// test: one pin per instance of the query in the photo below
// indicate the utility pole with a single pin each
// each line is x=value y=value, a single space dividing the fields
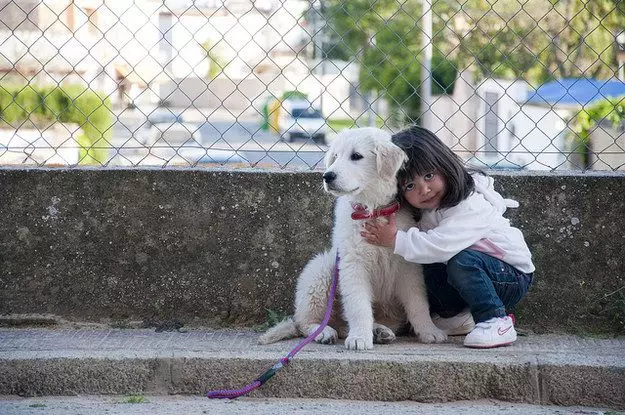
x=317 y=38
x=426 y=64
x=620 y=55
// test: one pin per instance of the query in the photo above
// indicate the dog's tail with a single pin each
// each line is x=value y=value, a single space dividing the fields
x=286 y=329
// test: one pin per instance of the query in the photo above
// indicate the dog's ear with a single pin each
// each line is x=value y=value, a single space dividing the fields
x=328 y=158
x=389 y=159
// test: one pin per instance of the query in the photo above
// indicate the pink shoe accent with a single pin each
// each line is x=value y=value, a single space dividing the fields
x=504 y=331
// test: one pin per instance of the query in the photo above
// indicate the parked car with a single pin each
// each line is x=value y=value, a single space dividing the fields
x=299 y=118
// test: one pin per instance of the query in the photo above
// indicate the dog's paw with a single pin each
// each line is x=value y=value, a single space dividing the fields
x=359 y=342
x=327 y=336
x=382 y=334
x=431 y=335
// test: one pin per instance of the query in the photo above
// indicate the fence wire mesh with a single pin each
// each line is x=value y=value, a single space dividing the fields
x=508 y=84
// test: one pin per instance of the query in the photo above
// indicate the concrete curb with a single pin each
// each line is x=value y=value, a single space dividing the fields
x=544 y=370
x=188 y=405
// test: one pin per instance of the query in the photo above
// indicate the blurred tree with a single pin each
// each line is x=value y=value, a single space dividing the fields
x=215 y=60
x=384 y=36
x=536 y=40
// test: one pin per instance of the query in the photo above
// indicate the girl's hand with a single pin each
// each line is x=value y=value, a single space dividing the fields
x=380 y=233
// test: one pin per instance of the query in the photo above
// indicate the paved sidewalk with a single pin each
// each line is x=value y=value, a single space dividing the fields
x=189 y=405
x=551 y=369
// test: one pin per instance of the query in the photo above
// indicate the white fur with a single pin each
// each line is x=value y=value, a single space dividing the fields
x=379 y=291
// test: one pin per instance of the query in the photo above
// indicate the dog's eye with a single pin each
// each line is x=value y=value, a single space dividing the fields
x=355 y=156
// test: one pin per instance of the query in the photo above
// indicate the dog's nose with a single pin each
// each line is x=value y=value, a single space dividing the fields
x=329 y=176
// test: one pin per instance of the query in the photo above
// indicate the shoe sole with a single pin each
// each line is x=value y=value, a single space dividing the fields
x=460 y=331
x=466 y=328
x=489 y=346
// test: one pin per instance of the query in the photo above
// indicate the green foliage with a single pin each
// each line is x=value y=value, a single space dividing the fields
x=611 y=308
x=67 y=104
x=387 y=41
x=337 y=125
x=609 y=109
x=273 y=317
x=216 y=62
x=134 y=399
x=30 y=102
x=531 y=39
x=444 y=74
x=56 y=101
x=10 y=111
x=285 y=95
x=619 y=311
x=351 y=25
x=294 y=95
x=92 y=113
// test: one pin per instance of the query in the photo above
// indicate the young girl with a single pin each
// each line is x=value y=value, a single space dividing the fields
x=472 y=256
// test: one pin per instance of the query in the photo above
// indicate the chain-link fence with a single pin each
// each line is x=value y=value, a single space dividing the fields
x=517 y=84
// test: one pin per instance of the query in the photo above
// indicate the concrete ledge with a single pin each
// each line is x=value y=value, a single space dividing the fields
x=217 y=247
x=548 y=369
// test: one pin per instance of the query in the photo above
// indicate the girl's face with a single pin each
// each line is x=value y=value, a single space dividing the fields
x=425 y=192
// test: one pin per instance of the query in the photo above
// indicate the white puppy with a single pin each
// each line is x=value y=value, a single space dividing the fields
x=380 y=292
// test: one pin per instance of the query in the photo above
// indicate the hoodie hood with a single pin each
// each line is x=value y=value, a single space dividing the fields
x=484 y=185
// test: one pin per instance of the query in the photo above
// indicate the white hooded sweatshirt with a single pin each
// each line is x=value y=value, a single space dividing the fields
x=475 y=223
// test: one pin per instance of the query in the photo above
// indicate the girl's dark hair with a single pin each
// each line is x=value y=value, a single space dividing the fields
x=426 y=154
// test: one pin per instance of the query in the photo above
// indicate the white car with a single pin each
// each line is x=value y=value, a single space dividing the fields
x=301 y=119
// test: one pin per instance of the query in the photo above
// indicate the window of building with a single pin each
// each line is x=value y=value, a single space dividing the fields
x=23 y=16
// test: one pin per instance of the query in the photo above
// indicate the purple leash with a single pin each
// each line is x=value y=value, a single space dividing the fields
x=236 y=393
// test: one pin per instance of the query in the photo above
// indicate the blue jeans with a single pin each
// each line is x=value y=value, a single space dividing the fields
x=473 y=279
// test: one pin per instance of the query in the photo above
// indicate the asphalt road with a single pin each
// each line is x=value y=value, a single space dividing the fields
x=224 y=142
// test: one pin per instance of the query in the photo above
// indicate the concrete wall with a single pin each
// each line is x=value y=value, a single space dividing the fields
x=207 y=93
x=220 y=247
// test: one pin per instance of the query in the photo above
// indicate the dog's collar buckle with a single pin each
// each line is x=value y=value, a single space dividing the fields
x=361 y=212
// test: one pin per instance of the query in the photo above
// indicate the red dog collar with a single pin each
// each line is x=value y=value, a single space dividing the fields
x=360 y=212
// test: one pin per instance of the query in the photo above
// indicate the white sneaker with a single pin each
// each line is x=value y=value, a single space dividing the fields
x=458 y=325
x=498 y=331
